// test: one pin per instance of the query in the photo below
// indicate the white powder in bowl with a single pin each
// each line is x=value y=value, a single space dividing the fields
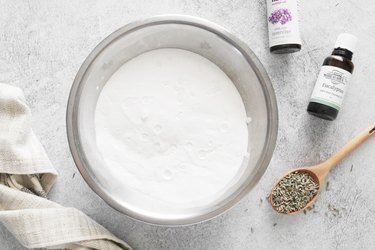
x=172 y=130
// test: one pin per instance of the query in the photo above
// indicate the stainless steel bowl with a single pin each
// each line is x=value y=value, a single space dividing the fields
x=206 y=39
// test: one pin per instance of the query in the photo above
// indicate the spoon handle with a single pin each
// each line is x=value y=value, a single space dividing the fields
x=350 y=146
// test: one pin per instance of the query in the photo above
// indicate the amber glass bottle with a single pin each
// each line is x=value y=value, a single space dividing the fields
x=333 y=79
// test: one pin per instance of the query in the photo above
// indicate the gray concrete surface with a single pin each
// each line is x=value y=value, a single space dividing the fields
x=43 y=43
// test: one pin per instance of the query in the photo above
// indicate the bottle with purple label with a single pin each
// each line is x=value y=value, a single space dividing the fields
x=283 y=30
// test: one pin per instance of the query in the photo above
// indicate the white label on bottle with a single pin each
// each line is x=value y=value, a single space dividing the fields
x=331 y=86
x=282 y=17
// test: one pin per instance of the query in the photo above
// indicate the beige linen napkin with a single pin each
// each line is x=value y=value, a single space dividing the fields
x=26 y=176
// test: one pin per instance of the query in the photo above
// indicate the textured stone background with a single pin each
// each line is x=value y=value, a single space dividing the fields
x=43 y=43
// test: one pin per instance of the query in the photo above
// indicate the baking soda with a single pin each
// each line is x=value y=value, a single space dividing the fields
x=172 y=130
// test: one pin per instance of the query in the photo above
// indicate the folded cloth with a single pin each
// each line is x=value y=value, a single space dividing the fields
x=26 y=176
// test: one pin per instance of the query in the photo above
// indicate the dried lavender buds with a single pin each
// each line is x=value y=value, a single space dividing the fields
x=293 y=192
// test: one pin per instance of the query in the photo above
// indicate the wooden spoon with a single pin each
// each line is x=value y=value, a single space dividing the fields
x=320 y=171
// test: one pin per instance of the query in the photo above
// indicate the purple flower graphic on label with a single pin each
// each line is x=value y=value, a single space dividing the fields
x=280 y=16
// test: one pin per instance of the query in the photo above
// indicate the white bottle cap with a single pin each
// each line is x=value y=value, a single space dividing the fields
x=346 y=41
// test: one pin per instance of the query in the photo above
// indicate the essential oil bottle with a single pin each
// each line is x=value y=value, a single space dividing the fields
x=333 y=79
x=283 y=30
